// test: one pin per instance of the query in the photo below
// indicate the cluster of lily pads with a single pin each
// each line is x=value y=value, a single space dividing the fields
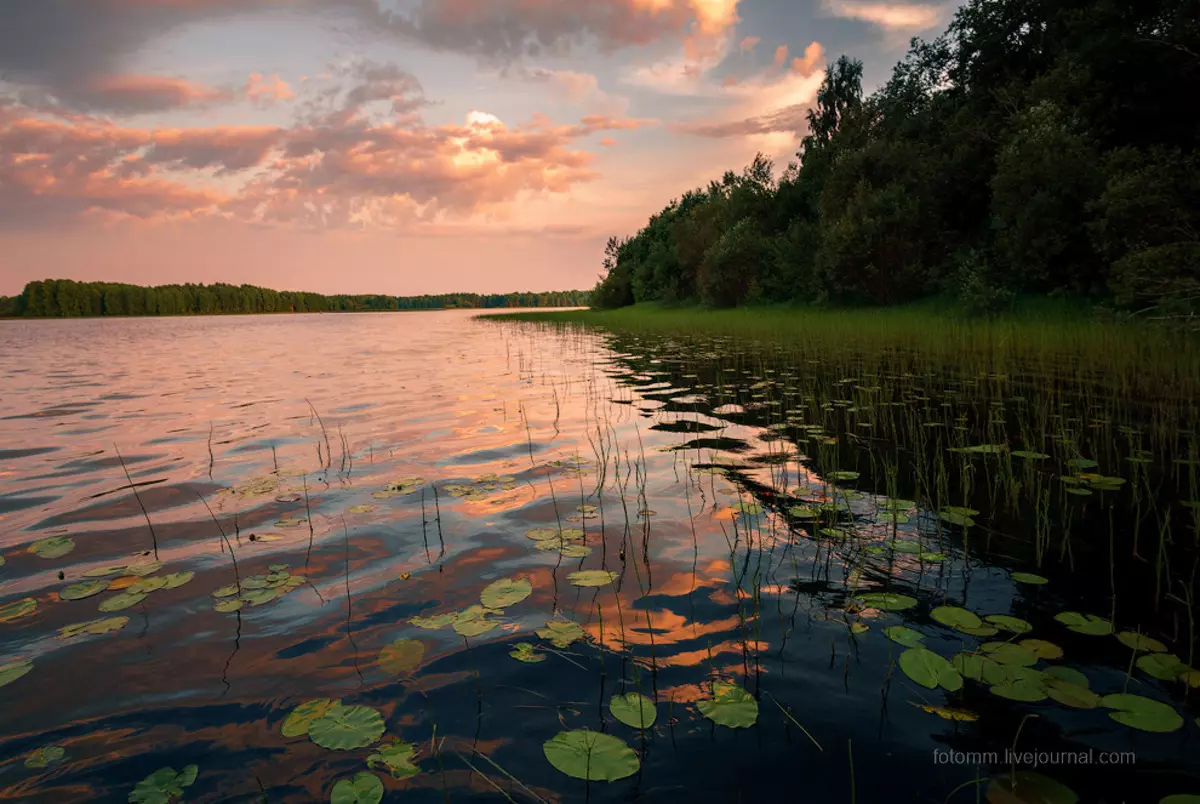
x=257 y=590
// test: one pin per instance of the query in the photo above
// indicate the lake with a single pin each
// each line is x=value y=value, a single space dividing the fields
x=440 y=558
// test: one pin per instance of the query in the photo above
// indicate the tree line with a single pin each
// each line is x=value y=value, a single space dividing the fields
x=1035 y=147
x=65 y=298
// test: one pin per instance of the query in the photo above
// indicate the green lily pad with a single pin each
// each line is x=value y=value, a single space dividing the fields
x=1142 y=713
x=561 y=632
x=1008 y=653
x=397 y=757
x=592 y=577
x=956 y=518
x=344 y=728
x=1068 y=694
x=1141 y=642
x=1021 y=684
x=226 y=591
x=96 y=627
x=1008 y=623
x=956 y=617
x=177 y=579
x=929 y=669
x=83 y=589
x=907 y=547
x=634 y=709
x=1029 y=455
x=402 y=656
x=505 y=592
x=1029 y=578
x=17 y=609
x=144 y=586
x=163 y=785
x=298 y=721
x=1068 y=674
x=143 y=567
x=888 y=601
x=45 y=756
x=121 y=601
x=981 y=631
x=978 y=667
x=903 y=635
x=474 y=620
x=590 y=755
x=364 y=788
x=1041 y=648
x=843 y=475
x=1180 y=798
x=1163 y=666
x=748 y=508
x=360 y=509
x=13 y=670
x=1088 y=624
x=1027 y=787
x=260 y=597
x=525 y=652
x=730 y=706
x=228 y=604
x=435 y=622
x=804 y=512
x=52 y=546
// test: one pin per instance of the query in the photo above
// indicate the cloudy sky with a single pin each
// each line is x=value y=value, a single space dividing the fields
x=394 y=146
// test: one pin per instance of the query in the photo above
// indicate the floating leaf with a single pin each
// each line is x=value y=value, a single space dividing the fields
x=343 y=728
x=981 y=631
x=435 y=622
x=1008 y=623
x=45 y=756
x=122 y=601
x=592 y=577
x=956 y=617
x=1067 y=674
x=1029 y=456
x=1008 y=653
x=803 y=512
x=1027 y=787
x=1021 y=684
x=1088 y=624
x=297 y=722
x=1180 y=798
x=1140 y=642
x=402 y=656
x=505 y=592
x=633 y=709
x=473 y=621
x=226 y=591
x=1029 y=577
x=979 y=667
x=52 y=546
x=1069 y=694
x=228 y=605
x=96 y=627
x=859 y=627
x=956 y=518
x=1142 y=713
x=143 y=567
x=144 y=586
x=903 y=635
x=17 y=609
x=730 y=706
x=360 y=509
x=1041 y=648
x=946 y=713
x=929 y=669
x=13 y=670
x=397 y=757
x=259 y=597
x=177 y=579
x=163 y=785
x=1163 y=666
x=843 y=475
x=561 y=632
x=524 y=652
x=888 y=601
x=590 y=755
x=83 y=589
x=364 y=788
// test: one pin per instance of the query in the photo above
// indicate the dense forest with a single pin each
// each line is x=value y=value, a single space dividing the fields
x=64 y=298
x=1035 y=147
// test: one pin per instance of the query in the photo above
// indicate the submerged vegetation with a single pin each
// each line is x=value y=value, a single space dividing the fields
x=66 y=298
x=1035 y=147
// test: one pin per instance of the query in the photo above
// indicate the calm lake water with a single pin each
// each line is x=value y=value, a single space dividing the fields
x=367 y=469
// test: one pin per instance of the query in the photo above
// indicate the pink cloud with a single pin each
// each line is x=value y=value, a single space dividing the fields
x=893 y=16
x=748 y=44
x=263 y=91
x=814 y=58
x=145 y=92
x=781 y=54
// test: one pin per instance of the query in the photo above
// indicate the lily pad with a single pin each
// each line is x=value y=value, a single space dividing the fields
x=177 y=579
x=903 y=635
x=978 y=667
x=121 y=601
x=1006 y=622
x=13 y=670
x=633 y=709
x=561 y=632
x=364 y=788
x=163 y=785
x=17 y=609
x=929 y=669
x=96 y=627
x=1068 y=694
x=888 y=601
x=590 y=755
x=45 y=756
x=228 y=604
x=1180 y=798
x=730 y=706
x=1142 y=713
x=83 y=589
x=299 y=720
x=1029 y=578
x=1027 y=787
x=52 y=546
x=1008 y=653
x=592 y=577
x=1068 y=674
x=1163 y=666
x=1088 y=624
x=402 y=656
x=397 y=757
x=1029 y=455
x=435 y=622
x=474 y=620
x=1141 y=642
x=344 y=728
x=525 y=652
x=956 y=518
x=946 y=713
x=505 y=592
x=1041 y=648
x=956 y=617
x=1021 y=684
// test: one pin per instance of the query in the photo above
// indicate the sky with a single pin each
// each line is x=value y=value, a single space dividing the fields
x=393 y=146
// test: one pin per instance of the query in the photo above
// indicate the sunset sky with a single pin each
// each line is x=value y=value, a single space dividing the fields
x=393 y=146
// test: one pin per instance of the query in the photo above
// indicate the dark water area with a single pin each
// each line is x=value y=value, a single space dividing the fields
x=310 y=484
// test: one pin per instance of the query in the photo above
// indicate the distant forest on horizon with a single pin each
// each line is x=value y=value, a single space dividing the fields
x=66 y=298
